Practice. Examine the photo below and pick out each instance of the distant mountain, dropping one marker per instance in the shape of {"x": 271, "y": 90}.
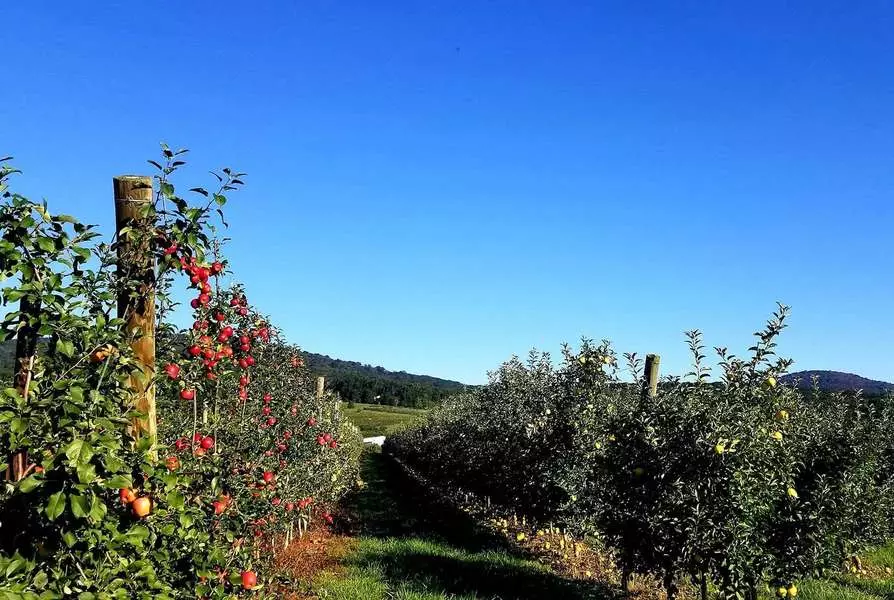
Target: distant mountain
{"x": 836, "y": 381}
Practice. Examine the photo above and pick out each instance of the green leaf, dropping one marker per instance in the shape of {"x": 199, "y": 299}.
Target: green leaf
{"x": 79, "y": 452}
{"x": 14, "y": 295}
{"x": 46, "y": 244}
{"x": 40, "y": 580}
{"x": 119, "y": 481}
{"x": 86, "y": 473}
{"x": 18, "y": 425}
{"x": 80, "y": 506}
{"x": 29, "y": 483}
{"x": 56, "y": 505}
{"x": 74, "y": 449}
{"x": 14, "y": 565}
{"x": 114, "y": 464}
{"x": 76, "y": 394}
{"x": 137, "y": 535}
{"x": 175, "y": 499}
{"x": 65, "y": 347}
{"x": 97, "y": 509}
{"x": 185, "y": 520}
{"x": 69, "y": 538}
{"x": 171, "y": 480}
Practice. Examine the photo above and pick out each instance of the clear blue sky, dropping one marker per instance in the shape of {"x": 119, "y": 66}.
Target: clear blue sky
{"x": 434, "y": 186}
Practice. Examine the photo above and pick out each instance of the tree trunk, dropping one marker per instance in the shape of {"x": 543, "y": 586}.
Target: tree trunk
{"x": 670, "y": 586}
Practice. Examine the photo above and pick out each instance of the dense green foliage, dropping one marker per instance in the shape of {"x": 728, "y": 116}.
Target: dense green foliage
{"x": 246, "y": 453}
{"x": 741, "y": 481}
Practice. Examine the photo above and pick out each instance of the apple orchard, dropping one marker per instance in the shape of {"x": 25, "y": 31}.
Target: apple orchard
{"x": 148, "y": 461}
{"x": 737, "y": 486}
{"x": 143, "y": 461}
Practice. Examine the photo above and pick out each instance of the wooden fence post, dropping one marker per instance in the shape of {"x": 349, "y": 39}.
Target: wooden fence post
{"x": 26, "y": 349}
{"x": 650, "y": 383}
{"x": 136, "y": 300}
{"x": 321, "y": 385}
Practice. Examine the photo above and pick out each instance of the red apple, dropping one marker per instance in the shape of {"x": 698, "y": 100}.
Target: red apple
{"x": 249, "y": 580}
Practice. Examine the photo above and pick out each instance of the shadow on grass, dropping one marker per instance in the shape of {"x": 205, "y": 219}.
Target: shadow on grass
{"x": 882, "y": 588}
{"x": 423, "y": 547}
{"x": 426, "y": 567}
{"x": 393, "y": 505}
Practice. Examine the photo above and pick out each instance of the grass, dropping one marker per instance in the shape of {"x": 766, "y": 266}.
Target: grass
{"x": 880, "y": 557}
{"x": 374, "y": 419}
{"x": 411, "y": 547}
{"x": 824, "y": 589}
{"x": 876, "y": 584}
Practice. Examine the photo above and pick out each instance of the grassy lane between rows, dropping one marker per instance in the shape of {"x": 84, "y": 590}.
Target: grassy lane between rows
{"x": 409, "y": 546}
{"x": 375, "y": 419}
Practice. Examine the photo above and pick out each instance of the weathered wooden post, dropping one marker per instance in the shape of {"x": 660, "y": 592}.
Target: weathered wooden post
{"x": 649, "y": 390}
{"x": 26, "y": 349}
{"x": 136, "y": 299}
{"x": 321, "y": 385}
{"x": 650, "y": 383}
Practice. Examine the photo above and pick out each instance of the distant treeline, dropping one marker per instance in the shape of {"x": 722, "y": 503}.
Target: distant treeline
{"x": 357, "y": 382}
{"x": 354, "y": 381}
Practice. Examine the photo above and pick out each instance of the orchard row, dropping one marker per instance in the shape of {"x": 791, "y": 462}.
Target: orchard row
{"x": 741, "y": 481}
{"x": 246, "y": 455}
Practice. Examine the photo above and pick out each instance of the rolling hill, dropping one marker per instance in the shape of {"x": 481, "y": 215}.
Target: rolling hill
{"x": 837, "y": 381}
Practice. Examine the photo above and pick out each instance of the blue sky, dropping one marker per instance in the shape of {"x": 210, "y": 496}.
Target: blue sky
{"x": 435, "y": 186}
